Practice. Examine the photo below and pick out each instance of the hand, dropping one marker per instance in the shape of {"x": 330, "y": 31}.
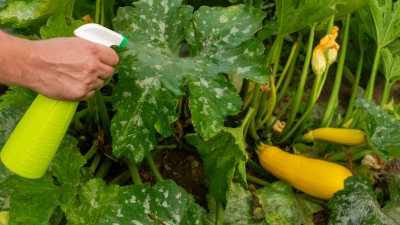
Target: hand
{"x": 68, "y": 69}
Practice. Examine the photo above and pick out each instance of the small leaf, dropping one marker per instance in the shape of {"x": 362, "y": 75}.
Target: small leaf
{"x": 391, "y": 66}
{"x": 380, "y": 129}
{"x": 16, "y": 96}
{"x": 282, "y": 206}
{"x": 8, "y": 121}
{"x": 222, "y": 155}
{"x": 91, "y": 202}
{"x": 357, "y": 204}
{"x": 66, "y": 167}
{"x": 166, "y": 201}
{"x": 58, "y": 28}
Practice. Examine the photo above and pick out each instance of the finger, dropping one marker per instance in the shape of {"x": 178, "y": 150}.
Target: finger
{"x": 107, "y": 55}
{"x": 105, "y": 71}
{"x": 98, "y": 83}
{"x": 87, "y": 96}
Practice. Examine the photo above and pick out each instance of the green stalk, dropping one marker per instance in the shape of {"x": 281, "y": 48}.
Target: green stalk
{"x": 253, "y": 105}
{"x": 89, "y": 117}
{"x": 288, "y": 63}
{"x": 250, "y": 2}
{"x": 135, "y": 174}
{"x": 78, "y": 124}
{"x": 256, "y": 180}
{"x": 304, "y": 116}
{"x": 102, "y": 13}
{"x": 258, "y": 4}
{"x": 246, "y": 122}
{"x": 342, "y": 156}
{"x": 330, "y": 25}
{"x": 338, "y": 78}
{"x": 292, "y": 67}
{"x": 97, "y": 15}
{"x": 386, "y": 92}
{"x": 219, "y": 213}
{"x": 104, "y": 117}
{"x": 95, "y": 162}
{"x": 256, "y": 168}
{"x": 245, "y": 87}
{"x": 355, "y": 120}
{"x": 121, "y": 178}
{"x": 180, "y": 106}
{"x": 90, "y": 153}
{"x": 349, "y": 112}
{"x": 361, "y": 155}
{"x": 105, "y": 167}
{"x": 280, "y": 114}
{"x": 262, "y": 106}
{"x": 315, "y": 91}
{"x": 302, "y": 83}
{"x": 271, "y": 106}
{"x": 153, "y": 167}
{"x": 111, "y": 8}
{"x": 81, "y": 113}
{"x": 369, "y": 92}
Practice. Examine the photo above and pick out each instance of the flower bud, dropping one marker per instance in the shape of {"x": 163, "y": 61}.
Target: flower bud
{"x": 318, "y": 62}
{"x": 332, "y": 54}
{"x": 370, "y": 161}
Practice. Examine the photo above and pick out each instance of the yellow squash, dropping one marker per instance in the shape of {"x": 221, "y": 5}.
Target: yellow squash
{"x": 315, "y": 177}
{"x": 342, "y": 136}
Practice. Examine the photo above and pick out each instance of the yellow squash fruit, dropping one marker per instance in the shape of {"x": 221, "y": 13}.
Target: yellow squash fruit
{"x": 315, "y": 177}
{"x": 352, "y": 137}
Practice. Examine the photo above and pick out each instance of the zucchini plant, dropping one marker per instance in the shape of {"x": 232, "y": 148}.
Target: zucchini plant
{"x": 253, "y": 90}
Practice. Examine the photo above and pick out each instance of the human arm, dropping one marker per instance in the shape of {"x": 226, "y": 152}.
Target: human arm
{"x": 68, "y": 69}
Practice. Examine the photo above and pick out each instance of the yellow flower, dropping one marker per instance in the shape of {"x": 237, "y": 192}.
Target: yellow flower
{"x": 318, "y": 61}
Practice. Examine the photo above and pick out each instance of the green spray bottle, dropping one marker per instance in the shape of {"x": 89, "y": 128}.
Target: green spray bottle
{"x": 32, "y": 145}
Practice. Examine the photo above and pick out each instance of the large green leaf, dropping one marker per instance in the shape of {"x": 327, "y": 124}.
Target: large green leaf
{"x": 382, "y": 18}
{"x": 8, "y": 121}
{"x": 282, "y": 206}
{"x": 5, "y": 192}
{"x": 349, "y": 7}
{"x": 66, "y": 167}
{"x": 166, "y": 201}
{"x": 391, "y": 66}
{"x": 359, "y": 33}
{"x": 22, "y": 13}
{"x": 222, "y": 155}
{"x": 294, "y": 15}
{"x": 91, "y": 202}
{"x": 17, "y": 96}
{"x": 381, "y": 129}
{"x": 58, "y": 28}
{"x": 240, "y": 208}
{"x": 34, "y": 200}
{"x": 357, "y": 204}
{"x": 150, "y": 63}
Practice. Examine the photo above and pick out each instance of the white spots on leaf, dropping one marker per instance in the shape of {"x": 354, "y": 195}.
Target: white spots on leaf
{"x": 251, "y": 54}
{"x": 135, "y": 222}
{"x": 234, "y": 30}
{"x": 143, "y": 16}
{"x": 158, "y": 67}
{"x": 234, "y": 18}
{"x": 134, "y": 26}
{"x": 126, "y": 94}
{"x": 166, "y": 7}
{"x": 204, "y": 82}
{"x": 176, "y": 217}
{"x": 165, "y": 109}
{"x": 204, "y": 112}
{"x": 247, "y": 30}
{"x": 213, "y": 125}
{"x": 229, "y": 105}
{"x": 204, "y": 22}
{"x": 246, "y": 51}
{"x": 150, "y": 2}
{"x": 178, "y": 195}
{"x": 232, "y": 59}
{"x": 93, "y": 203}
{"x": 123, "y": 123}
{"x": 154, "y": 20}
{"x": 166, "y": 193}
{"x": 146, "y": 205}
{"x": 162, "y": 28}
{"x": 119, "y": 213}
{"x": 243, "y": 69}
{"x": 192, "y": 33}
{"x": 165, "y": 204}
{"x": 219, "y": 92}
{"x": 223, "y": 19}
{"x": 146, "y": 131}
{"x": 133, "y": 199}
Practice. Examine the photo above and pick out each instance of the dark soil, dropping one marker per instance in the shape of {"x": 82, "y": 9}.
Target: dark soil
{"x": 3, "y": 89}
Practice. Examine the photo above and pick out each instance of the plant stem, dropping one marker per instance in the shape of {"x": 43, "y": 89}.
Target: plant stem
{"x": 250, "y": 2}
{"x": 369, "y": 92}
{"x": 135, "y": 174}
{"x": 78, "y": 124}
{"x": 111, "y": 8}
{"x": 153, "y": 167}
{"x": 288, "y": 63}
{"x": 342, "y": 156}
{"x": 245, "y": 87}
{"x": 253, "y": 105}
{"x": 271, "y": 106}
{"x": 90, "y": 153}
{"x": 258, "y": 4}
{"x": 292, "y": 67}
{"x": 256, "y": 180}
{"x": 338, "y": 78}
{"x": 180, "y": 106}
{"x": 349, "y": 112}
{"x": 386, "y": 92}
{"x": 105, "y": 167}
{"x": 262, "y": 106}
{"x": 104, "y": 117}
{"x": 361, "y": 155}
{"x": 97, "y": 15}
{"x": 304, "y": 116}
{"x": 302, "y": 83}
{"x": 219, "y": 213}
{"x": 90, "y": 114}
{"x": 121, "y": 178}
{"x": 95, "y": 162}
{"x": 102, "y": 13}
{"x": 246, "y": 122}
{"x": 355, "y": 120}
{"x": 256, "y": 168}
{"x": 280, "y": 114}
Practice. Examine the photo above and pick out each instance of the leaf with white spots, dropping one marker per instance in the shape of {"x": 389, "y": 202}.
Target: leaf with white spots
{"x": 9, "y": 119}
{"x": 222, "y": 155}
{"x": 294, "y": 15}
{"x": 381, "y": 129}
{"x": 91, "y": 202}
{"x": 152, "y": 76}
{"x": 166, "y": 201}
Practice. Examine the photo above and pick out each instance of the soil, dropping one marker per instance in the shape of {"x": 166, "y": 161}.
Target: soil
{"x": 3, "y": 89}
